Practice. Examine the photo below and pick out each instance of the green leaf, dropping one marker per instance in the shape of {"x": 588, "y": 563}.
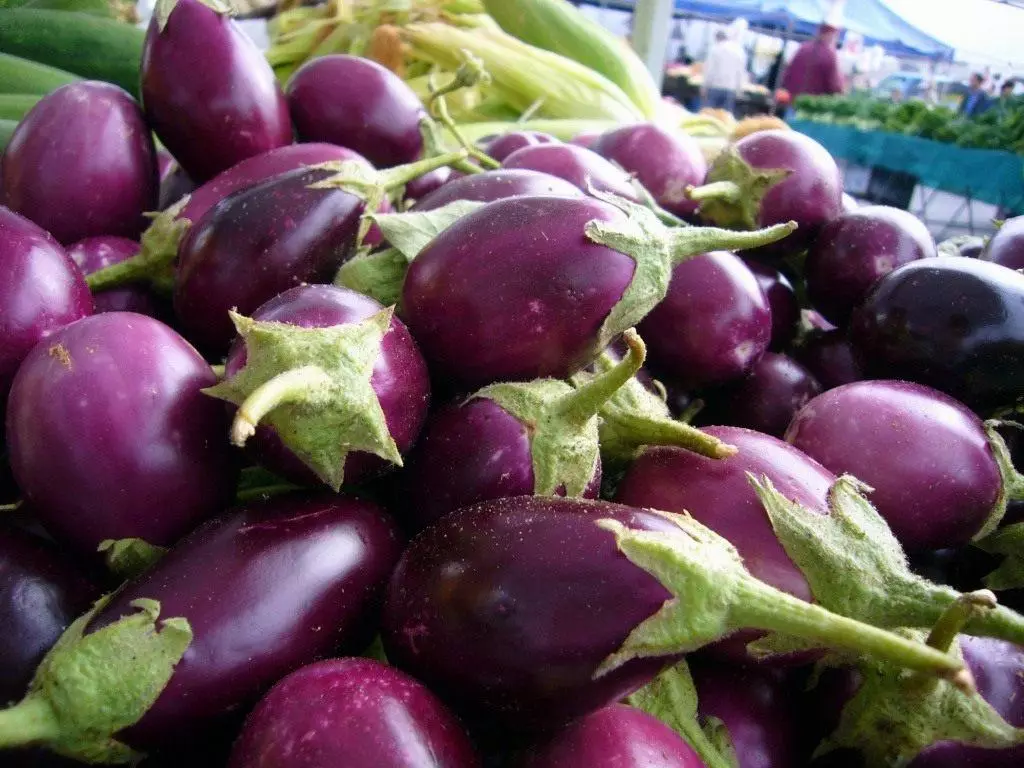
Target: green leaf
{"x": 312, "y": 385}
{"x": 672, "y": 698}
{"x": 379, "y": 275}
{"x": 410, "y": 232}
{"x": 127, "y": 558}
{"x": 1008, "y": 541}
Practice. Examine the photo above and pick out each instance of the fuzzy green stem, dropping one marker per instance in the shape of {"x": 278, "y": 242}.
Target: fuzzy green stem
{"x": 583, "y": 403}
{"x": 292, "y": 386}
{"x": 687, "y": 242}
{"x": 31, "y": 721}
{"x": 399, "y": 176}
{"x": 726, "y": 191}
{"x": 1013, "y": 480}
{"x": 433, "y": 145}
{"x": 956, "y": 616}
{"x": 140, "y": 268}
{"x": 695, "y": 407}
{"x": 760, "y": 606}
{"x": 475, "y": 152}
{"x": 646, "y": 430}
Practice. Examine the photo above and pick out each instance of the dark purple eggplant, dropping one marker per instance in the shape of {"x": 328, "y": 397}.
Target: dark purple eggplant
{"x": 504, "y": 145}
{"x": 174, "y": 182}
{"x": 357, "y": 103}
{"x": 829, "y": 357}
{"x": 497, "y": 185}
{"x": 243, "y": 600}
{"x": 110, "y": 436}
{"x": 617, "y": 736}
{"x": 665, "y": 162}
{"x": 714, "y": 324}
{"x": 951, "y": 323}
{"x": 95, "y": 253}
{"x": 353, "y": 712}
{"x": 372, "y": 416}
{"x": 81, "y": 163}
{"x": 524, "y": 613}
{"x": 581, "y": 167}
{"x": 585, "y": 139}
{"x": 766, "y": 399}
{"x": 428, "y": 183}
{"x": 782, "y": 300}
{"x": 770, "y": 177}
{"x": 41, "y": 593}
{"x": 41, "y": 291}
{"x": 522, "y": 288}
{"x": 856, "y": 250}
{"x": 939, "y": 483}
{"x": 1007, "y": 245}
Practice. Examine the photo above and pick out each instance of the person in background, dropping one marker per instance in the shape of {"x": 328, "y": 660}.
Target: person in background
{"x": 1006, "y": 97}
{"x": 976, "y": 100}
{"x": 725, "y": 72}
{"x": 815, "y": 67}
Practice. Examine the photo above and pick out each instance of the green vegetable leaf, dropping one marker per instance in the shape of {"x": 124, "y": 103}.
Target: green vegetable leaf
{"x": 379, "y": 275}
{"x": 410, "y": 232}
{"x": 127, "y": 558}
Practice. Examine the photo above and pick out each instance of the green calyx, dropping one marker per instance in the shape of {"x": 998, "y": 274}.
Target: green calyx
{"x": 128, "y": 558}
{"x": 856, "y": 567}
{"x": 634, "y": 417}
{"x": 89, "y": 687}
{"x": 312, "y": 385}
{"x": 154, "y": 263}
{"x": 896, "y": 715}
{"x": 732, "y": 194}
{"x": 434, "y": 145}
{"x": 1008, "y": 541}
{"x": 713, "y": 595}
{"x": 1011, "y": 487}
{"x": 657, "y": 249}
{"x": 561, "y": 421}
{"x": 672, "y": 698}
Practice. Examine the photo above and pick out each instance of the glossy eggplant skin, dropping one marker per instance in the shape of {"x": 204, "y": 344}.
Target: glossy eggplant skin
{"x": 829, "y": 357}
{"x": 399, "y": 377}
{"x": 782, "y": 300}
{"x": 856, "y": 250}
{"x": 1007, "y": 245}
{"x": 617, "y": 736}
{"x": 357, "y": 103}
{"x": 514, "y": 291}
{"x": 257, "y": 243}
{"x": 494, "y": 185}
{"x": 714, "y": 324}
{"x": 266, "y": 588}
{"x": 951, "y": 323}
{"x": 110, "y": 436}
{"x": 507, "y": 608}
{"x": 41, "y": 291}
{"x": 208, "y": 91}
{"x": 81, "y": 163}
{"x": 94, "y": 253}
{"x": 353, "y": 712}
{"x": 577, "y": 165}
{"x": 504, "y": 145}
{"x": 41, "y": 592}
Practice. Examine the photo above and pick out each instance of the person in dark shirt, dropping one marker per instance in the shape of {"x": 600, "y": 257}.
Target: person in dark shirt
{"x": 976, "y": 100}
{"x": 815, "y": 67}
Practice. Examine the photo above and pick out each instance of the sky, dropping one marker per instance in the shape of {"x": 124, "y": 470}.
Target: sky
{"x": 981, "y": 30}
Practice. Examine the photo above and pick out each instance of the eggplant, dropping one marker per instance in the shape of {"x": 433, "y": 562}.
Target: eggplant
{"x": 782, "y": 300}
{"x": 829, "y": 357}
{"x": 1006, "y": 246}
{"x": 504, "y": 145}
{"x": 581, "y": 167}
{"x": 497, "y": 185}
{"x": 94, "y": 253}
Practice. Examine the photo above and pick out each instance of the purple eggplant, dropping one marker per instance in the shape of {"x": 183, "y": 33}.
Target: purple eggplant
{"x": 782, "y": 300}
{"x": 41, "y": 593}
{"x": 665, "y": 162}
{"x": 581, "y": 167}
{"x": 244, "y": 599}
{"x": 504, "y": 145}
{"x": 585, "y": 139}
{"x": 714, "y": 324}
{"x": 617, "y": 736}
{"x": 1007, "y": 245}
{"x": 42, "y": 291}
{"x": 357, "y": 103}
{"x": 393, "y": 395}
{"x": 208, "y": 92}
{"x": 951, "y": 323}
{"x": 770, "y": 177}
{"x": 766, "y": 399}
{"x": 854, "y": 251}
{"x": 428, "y": 183}
{"x": 81, "y": 163}
{"x": 95, "y": 253}
{"x": 524, "y": 613}
{"x": 829, "y": 357}
{"x": 353, "y": 712}
{"x": 756, "y": 707}
{"x": 174, "y": 182}
{"x": 110, "y": 436}
{"x": 499, "y": 184}
{"x": 536, "y": 293}
{"x": 939, "y": 483}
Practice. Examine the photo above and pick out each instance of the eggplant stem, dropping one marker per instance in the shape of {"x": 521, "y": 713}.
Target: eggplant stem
{"x": 30, "y": 721}
{"x": 293, "y": 386}
{"x": 727, "y": 191}
{"x": 687, "y": 242}
{"x": 957, "y": 615}
{"x": 665, "y": 431}
{"x": 584, "y": 402}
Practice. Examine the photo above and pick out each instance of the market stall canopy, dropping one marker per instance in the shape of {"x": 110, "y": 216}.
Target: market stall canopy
{"x": 873, "y": 19}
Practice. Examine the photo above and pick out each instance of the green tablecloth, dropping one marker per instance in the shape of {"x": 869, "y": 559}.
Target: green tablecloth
{"x": 993, "y": 176}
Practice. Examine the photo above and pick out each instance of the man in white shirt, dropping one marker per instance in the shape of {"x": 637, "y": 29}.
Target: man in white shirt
{"x": 725, "y": 72}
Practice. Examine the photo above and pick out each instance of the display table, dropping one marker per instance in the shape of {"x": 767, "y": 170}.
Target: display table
{"x": 991, "y": 176}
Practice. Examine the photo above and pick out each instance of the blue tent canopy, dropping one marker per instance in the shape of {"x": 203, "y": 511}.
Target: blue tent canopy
{"x": 873, "y": 19}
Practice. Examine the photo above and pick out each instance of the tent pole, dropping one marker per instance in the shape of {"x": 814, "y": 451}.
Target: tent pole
{"x": 651, "y": 21}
